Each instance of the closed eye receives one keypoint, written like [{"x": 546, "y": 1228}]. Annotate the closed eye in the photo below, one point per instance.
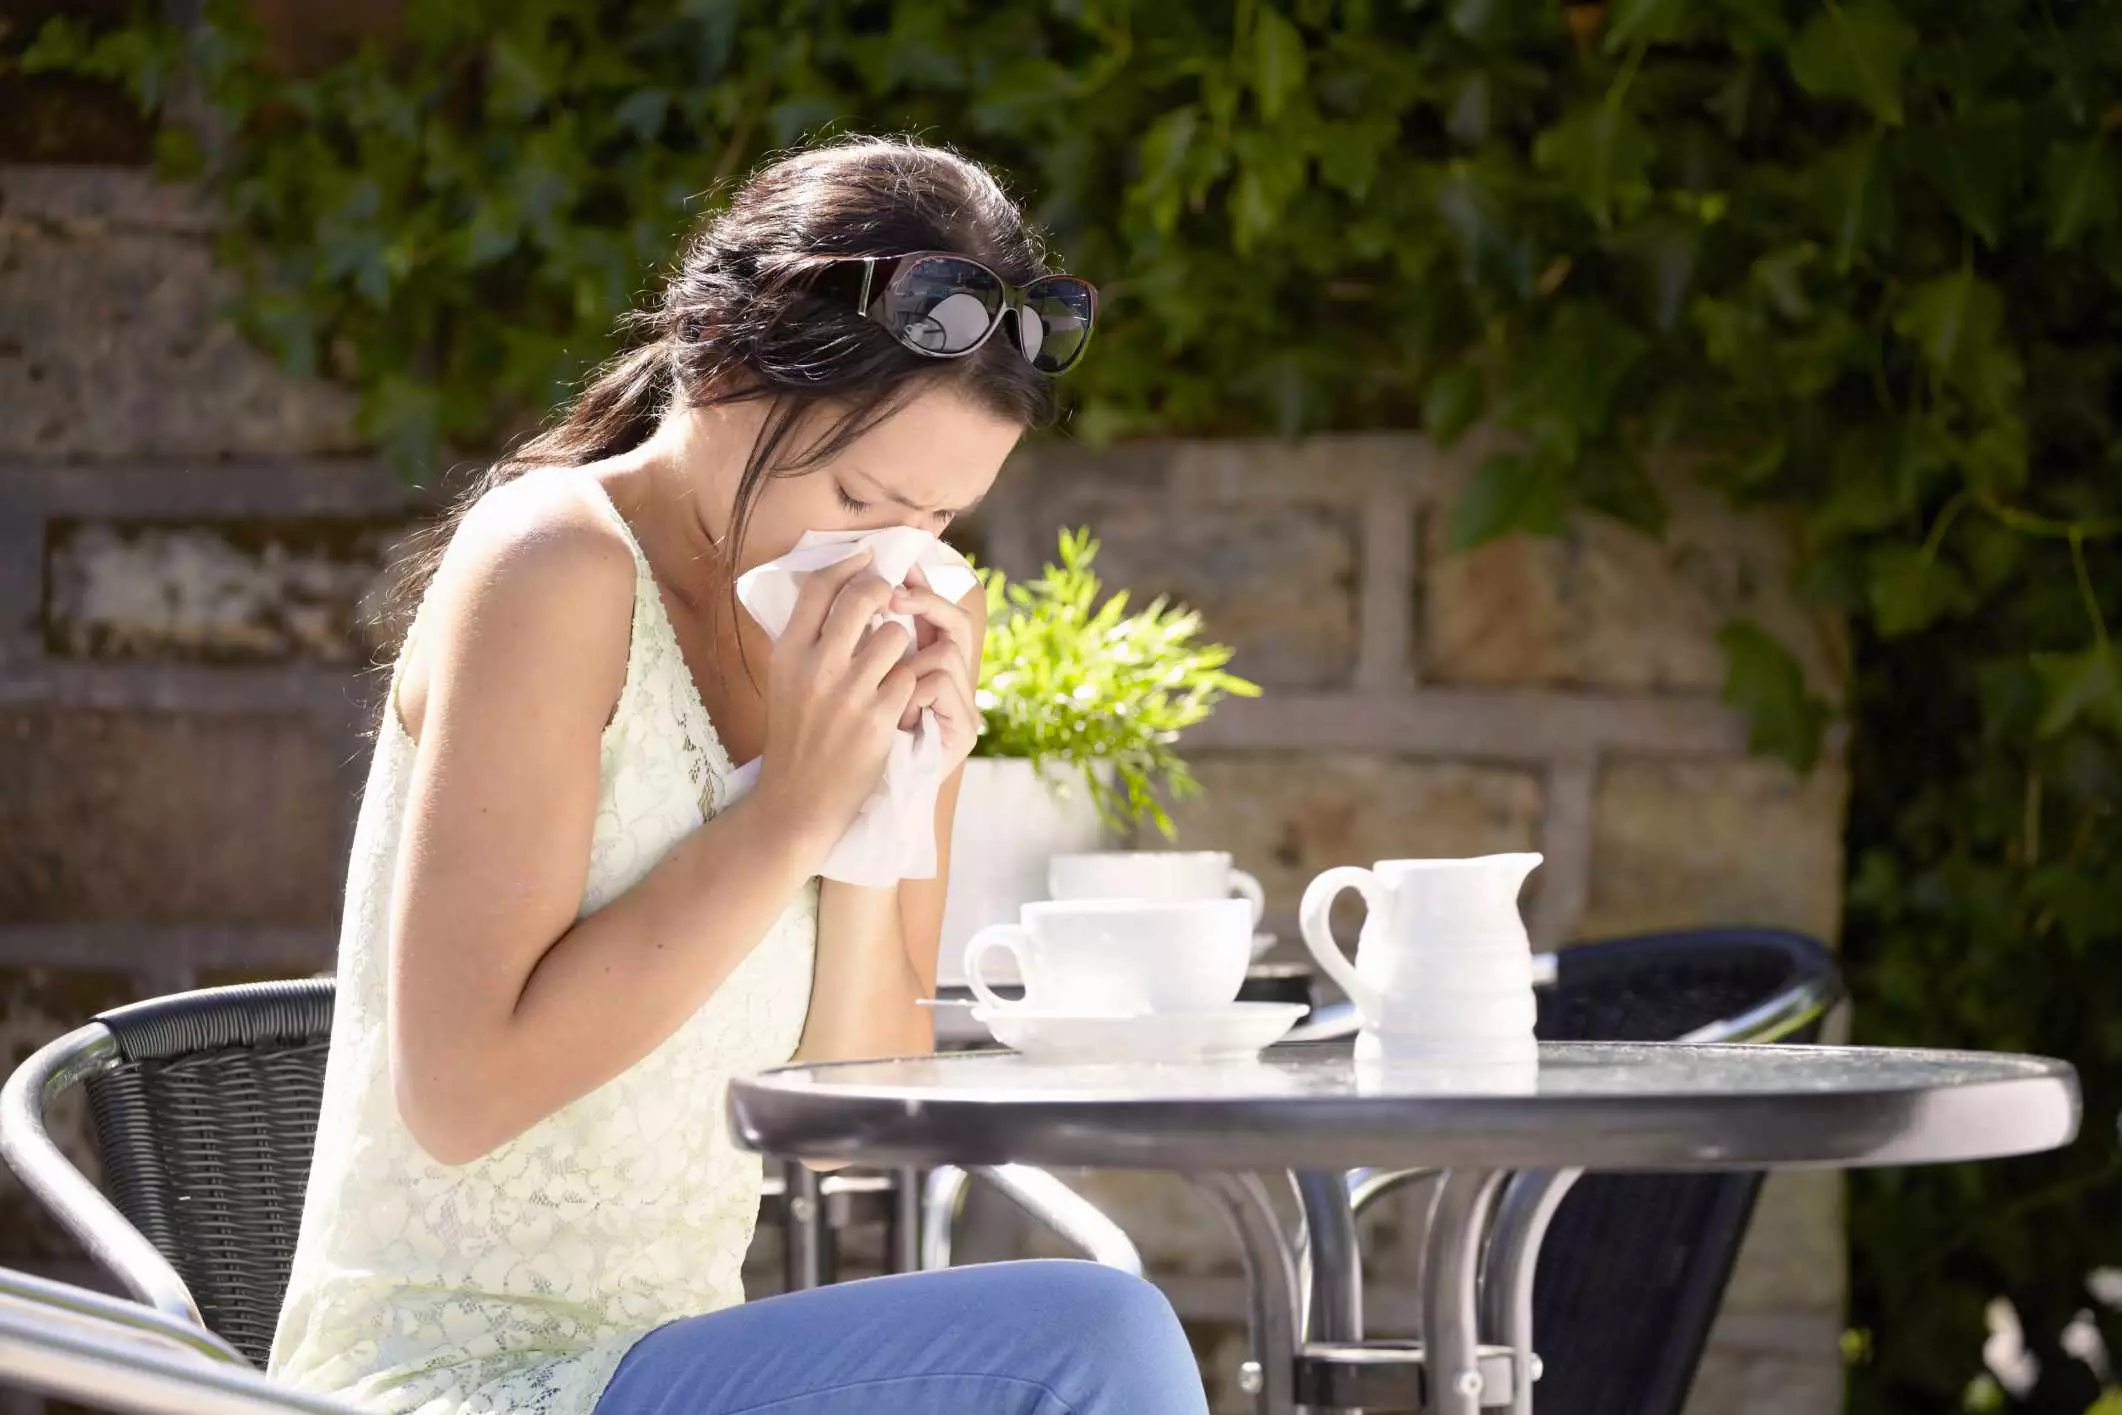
[{"x": 853, "y": 506}]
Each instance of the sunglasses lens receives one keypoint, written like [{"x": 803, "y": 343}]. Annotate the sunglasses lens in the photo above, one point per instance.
[
  {"x": 1058, "y": 313},
  {"x": 942, "y": 306}
]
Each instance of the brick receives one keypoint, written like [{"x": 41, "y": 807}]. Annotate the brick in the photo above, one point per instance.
[
  {"x": 1604, "y": 605},
  {"x": 38, "y": 1005},
  {"x": 1735, "y": 1381},
  {"x": 1287, "y": 816},
  {"x": 1277, "y": 584},
  {"x": 112, "y": 344},
  {"x": 1795, "y": 1256},
  {"x": 1679, "y": 843},
  {"x": 125, "y": 817},
  {"x": 1276, "y": 578},
  {"x": 227, "y": 592}
]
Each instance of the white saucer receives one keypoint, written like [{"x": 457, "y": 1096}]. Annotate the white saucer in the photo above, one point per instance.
[
  {"x": 1263, "y": 944},
  {"x": 1237, "y": 1030}
]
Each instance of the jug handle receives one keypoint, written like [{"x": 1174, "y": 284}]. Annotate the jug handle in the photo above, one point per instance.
[{"x": 1315, "y": 922}]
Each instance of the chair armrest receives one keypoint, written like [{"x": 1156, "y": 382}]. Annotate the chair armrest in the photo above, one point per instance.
[
  {"x": 27, "y": 1148},
  {"x": 64, "y": 1302},
  {"x": 113, "y": 1369},
  {"x": 1043, "y": 1197}
]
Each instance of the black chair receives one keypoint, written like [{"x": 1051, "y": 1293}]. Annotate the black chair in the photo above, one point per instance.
[
  {"x": 1634, "y": 1266},
  {"x": 204, "y": 1108}
]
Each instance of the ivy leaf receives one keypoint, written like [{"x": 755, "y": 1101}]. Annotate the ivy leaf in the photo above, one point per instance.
[
  {"x": 1910, "y": 591},
  {"x": 1651, "y": 21},
  {"x": 1163, "y": 158},
  {"x": 2080, "y": 184},
  {"x": 1510, "y": 492},
  {"x": 1975, "y": 165},
  {"x": 642, "y": 112},
  {"x": 1601, "y": 154},
  {"x": 2085, "y": 685},
  {"x": 1278, "y": 61},
  {"x": 1452, "y": 402},
  {"x": 1995, "y": 460},
  {"x": 1957, "y": 323},
  {"x": 1855, "y": 50},
  {"x": 1855, "y": 198},
  {"x": 1763, "y": 680}
]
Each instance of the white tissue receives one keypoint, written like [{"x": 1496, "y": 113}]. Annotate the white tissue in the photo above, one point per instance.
[{"x": 894, "y": 836}]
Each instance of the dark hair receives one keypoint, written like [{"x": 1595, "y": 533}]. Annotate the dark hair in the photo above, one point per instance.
[{"x": 742, "y": 319}]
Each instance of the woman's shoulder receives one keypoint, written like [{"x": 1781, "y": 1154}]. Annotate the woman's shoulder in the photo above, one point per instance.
[
  {"x": 536, "y": 587},
  {"x": 542, "y": 526}
]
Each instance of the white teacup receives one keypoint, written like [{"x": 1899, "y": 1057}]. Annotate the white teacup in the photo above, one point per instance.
[
  {"x": 1121, "y": 957},
  {"x": 1152, "y": 874}
]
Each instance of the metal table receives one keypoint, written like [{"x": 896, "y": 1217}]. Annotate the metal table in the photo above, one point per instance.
[{"x": 1508, "y": 1145}]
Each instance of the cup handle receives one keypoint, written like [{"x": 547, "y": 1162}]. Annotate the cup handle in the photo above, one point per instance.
[
  {"x": 1009, "y": 936},
  {"x": 1315, "y": 922},
  {"x": 1248, "y": 888}
]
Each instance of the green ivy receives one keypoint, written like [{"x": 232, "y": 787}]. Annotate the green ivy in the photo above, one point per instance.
[{"x": 1853, "y": 261}]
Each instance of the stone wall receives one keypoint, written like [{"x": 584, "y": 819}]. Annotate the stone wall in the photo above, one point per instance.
[{"x": 187, "y": 539}]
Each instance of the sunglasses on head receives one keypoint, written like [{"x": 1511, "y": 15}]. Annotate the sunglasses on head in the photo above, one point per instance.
[{"x": 946, "y": 306}]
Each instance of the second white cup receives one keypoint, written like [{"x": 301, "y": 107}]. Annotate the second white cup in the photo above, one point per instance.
[
  {"x": 1163, "y": 875},
  {"x": 1120, "y": 957}
]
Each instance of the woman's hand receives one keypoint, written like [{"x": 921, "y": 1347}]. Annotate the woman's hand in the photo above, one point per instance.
[
  {"x": 836, "y": 692},
  {"x": 945, "y": 665}
]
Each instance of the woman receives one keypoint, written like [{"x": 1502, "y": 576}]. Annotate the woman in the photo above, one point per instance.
[{"x": 564, "y": 933}]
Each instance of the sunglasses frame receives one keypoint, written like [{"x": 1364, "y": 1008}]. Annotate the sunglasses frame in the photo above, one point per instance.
[{"x": 1012, "y": 299}]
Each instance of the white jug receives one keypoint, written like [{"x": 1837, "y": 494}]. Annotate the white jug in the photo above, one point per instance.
[{"x": 1443, "y": 970}]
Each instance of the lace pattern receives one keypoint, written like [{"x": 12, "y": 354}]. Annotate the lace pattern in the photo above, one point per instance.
[{"x": 517, "y": 1283}]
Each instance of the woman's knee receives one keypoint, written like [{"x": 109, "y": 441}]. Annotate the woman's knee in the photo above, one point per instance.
[{"x": 1121, "y": 1329}]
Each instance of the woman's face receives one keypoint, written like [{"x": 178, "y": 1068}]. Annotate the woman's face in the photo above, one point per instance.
[{"x": 926, "y": 465}]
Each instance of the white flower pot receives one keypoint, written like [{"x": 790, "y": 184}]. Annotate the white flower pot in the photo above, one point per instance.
[{"x": 1010, "y": 822}]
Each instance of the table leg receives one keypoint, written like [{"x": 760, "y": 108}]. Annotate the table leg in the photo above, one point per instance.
[
  {"x": 1522, "y": 1216},
  {"x": 802, "y": 1228},
  {"x": 1271, "y": 1283},
  {"x": 1330, "y": 1264},
  {"x": 1451, "y": 1272},
  {"x": 903, "y": 1250}
]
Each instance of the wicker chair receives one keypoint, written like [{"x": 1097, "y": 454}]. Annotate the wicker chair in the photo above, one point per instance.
[
  {"x": 1630, "y": 1268},
  {"x": 204, "y": 1106},
  {"x": 1634, "y": 1266}
]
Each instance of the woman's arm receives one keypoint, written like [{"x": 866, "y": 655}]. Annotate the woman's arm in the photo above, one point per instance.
[
  {"x": 502, "y": 1006},
  {"x": 877, "y": 947}
]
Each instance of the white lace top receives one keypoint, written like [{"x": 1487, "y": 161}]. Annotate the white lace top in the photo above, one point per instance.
[{"x": 516, "y": 1283}]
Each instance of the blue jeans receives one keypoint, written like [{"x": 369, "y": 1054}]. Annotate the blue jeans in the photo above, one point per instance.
[{"x": 1034, "y": 1338}]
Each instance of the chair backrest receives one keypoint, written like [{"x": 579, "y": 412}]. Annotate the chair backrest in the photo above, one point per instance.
[
  {"x": 1634, "y": 1266},
  {"x": 205, "y": 1126}
]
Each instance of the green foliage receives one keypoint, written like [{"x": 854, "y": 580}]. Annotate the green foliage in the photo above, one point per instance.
[
  {"x": 1859, "y": 261},
  {"x": 1069, "y": 681}
]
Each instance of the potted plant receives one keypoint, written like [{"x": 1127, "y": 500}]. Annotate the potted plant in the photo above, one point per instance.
[{"x": 1082, "y": 706}]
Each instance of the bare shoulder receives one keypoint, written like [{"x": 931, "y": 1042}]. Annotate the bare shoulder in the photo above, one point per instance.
[{"x": 535, "y": 592}]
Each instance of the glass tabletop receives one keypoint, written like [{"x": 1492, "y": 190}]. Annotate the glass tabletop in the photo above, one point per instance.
[
  {"x": 1566, "y": 1070},
  {"x": 1592, "y": 1104}
]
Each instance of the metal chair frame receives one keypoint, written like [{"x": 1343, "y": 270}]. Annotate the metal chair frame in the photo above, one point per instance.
[{"x": 108, "y": 1354}]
